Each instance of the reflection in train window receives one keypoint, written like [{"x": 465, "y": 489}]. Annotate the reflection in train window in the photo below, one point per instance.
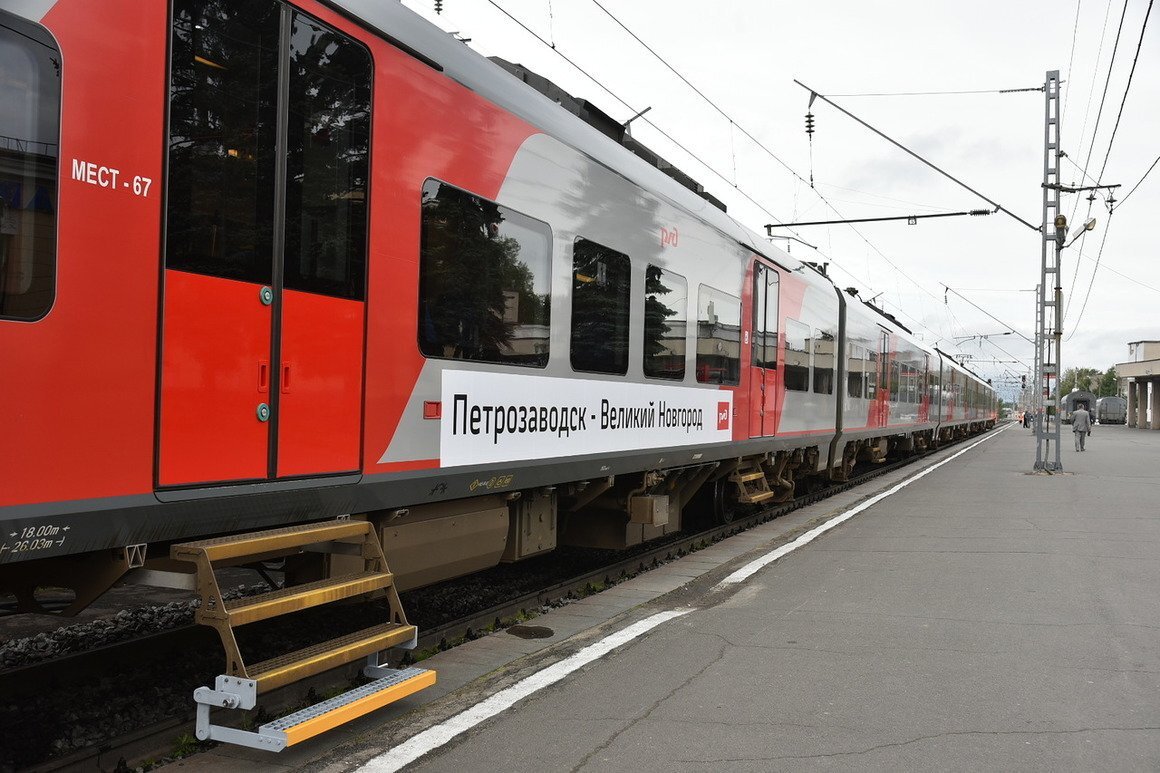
[
  {"x": 327, "y": 162},
  {"x": 29, "y": 125},
  {"x": 222, "y": 151},
  {"x": 484, "y": 280},
  {"x": 718, "y": 337},
  {"x": 797, "y": 356},
  {"x": 600, "y": 299},
  {"x": 765, "y": 311},
  {"x": 666, "y": 320},
  {"x": 225, "y": 158},
  {"x": 825, "y": 351},
  {"x": 855, "y": 371}
]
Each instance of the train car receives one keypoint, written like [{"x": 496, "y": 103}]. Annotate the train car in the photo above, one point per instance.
[
  {"x": 1112, "y": 410},
  {"x": 314, "y": 280},
  {"x": 1073, "y": 401}
]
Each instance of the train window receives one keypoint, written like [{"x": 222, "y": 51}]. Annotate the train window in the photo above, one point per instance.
[
  {"x": 855, "y": 373},
  {"x": 765, "y": 310},
  {"x": 328, "y": 148},
  {"x": 29, "y": 130},
  {"x": 797, "y": 356},
  {"x": 222, "y": 137},
  {"x": 666, "y": 320},
  {"x": 718, "y": 337},
  {"x": 484, "y": 279},
  {"x": 601, "y": 282},
  {"x": 895, "y": 380},
  {"x": 871, "y": 373},
  {"x": 825, "y": 350}
]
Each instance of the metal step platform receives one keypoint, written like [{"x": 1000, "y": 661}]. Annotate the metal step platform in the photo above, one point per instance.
[
  {"x": 752, "y": 485},
  {"x": 240, "y": 685}
]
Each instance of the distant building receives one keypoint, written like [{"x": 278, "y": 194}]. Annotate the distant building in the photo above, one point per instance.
[{"x": 1142, "y": 375}]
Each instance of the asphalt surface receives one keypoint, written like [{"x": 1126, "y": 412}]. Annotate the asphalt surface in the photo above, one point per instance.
[{"x": 979, "y": 618}]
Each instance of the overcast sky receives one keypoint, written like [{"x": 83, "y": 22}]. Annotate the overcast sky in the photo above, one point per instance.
[{"x": 745, "y": 56}]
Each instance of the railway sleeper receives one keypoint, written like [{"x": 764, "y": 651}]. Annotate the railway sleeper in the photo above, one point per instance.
[{"x": 352, "y": 544}]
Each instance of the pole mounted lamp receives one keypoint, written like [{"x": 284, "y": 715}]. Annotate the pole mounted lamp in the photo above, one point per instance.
[{"x": 1088, "y": 226}]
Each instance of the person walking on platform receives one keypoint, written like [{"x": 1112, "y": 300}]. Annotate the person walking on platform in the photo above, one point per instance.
[{"x": 1081, "y": 426}]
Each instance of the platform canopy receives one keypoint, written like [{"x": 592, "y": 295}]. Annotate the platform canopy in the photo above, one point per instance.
[{"x": 1142, "y": 375}]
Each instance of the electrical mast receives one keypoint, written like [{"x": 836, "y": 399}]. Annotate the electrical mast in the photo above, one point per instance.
[{"x": 1048, "y": 310}]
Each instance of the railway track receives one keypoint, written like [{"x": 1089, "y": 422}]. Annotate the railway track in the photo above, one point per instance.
[{"x": 126, "y": 667}]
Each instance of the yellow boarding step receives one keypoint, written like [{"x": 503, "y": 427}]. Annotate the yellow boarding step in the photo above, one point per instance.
[
  {"x": 752, "y": 485},
  {"x": 241, "y": 683},
  {"x": 294, "y": 666},
  {"x": 251, "y": 609},
  {"x": 312, "y": 721},
  {"x": 389, "y": 686}
]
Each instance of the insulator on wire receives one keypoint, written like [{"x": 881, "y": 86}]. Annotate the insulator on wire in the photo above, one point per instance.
[
  {"x": 810, "y": 124},
  {"x": 438, "y": 6}
]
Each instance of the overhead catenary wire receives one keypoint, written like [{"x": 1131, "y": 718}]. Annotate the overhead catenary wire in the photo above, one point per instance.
[
  {"x": 1071, "y": 56},
  {"x": 704, "y": 163},
  {"x": 1137, "y": 185},
  {"x": 1012, "y": 328},
  {"x": 734, "y": 124},
  {"x": 939, "y": 93},
  {"x": 1091, "y": 284},
  {"x": 699, "y": 93},
  {"x": 1127, "y": 88},
  {"x": 1092, "y": 90},
  {"x": 948, "y": 175},
  {"x": 709, "y": 167},
  {"x": 723, "y": 177},
  {"x": 1092, "y": 145},
  {"x": 1122, "y": 275},
  {"x": 1103, "y": 100},
  {"x": 1107, "y": 155}
]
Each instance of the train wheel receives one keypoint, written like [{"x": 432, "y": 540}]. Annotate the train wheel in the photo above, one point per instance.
[{"x": 724, "y": 501}]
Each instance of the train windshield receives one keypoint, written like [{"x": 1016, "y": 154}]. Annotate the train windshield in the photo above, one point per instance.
[{"x": 29, "y": 128}]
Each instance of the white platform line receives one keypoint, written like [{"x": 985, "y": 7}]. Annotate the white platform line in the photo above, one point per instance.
[
  {"x": 434, "y": 737},
  {"x": 749, "y": 569}
]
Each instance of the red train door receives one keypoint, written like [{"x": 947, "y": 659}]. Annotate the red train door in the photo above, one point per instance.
[
  {"x": 764, "y": 393},
  {"x": 264, "y": 282}
]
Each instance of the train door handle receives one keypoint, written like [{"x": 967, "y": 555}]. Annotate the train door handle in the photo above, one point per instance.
[
  {"x": 263, "y": 376},
  {"x": 285, "y": 378}
]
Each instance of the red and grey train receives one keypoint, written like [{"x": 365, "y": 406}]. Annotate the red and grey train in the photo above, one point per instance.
[{"x": 267, "y": 262}]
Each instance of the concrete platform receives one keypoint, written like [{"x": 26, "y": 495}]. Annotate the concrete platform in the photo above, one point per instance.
[{"x": 978, "y": 618}]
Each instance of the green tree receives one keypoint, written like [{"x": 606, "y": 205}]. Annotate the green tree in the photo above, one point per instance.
[
  {"x": 600, "y": 286},
  {"x": 1109, "y": 384},
  {"x": 467, "y": 271},
  {"x": 1076, "y": 378},
  {"x": 656, "y": 312}
]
